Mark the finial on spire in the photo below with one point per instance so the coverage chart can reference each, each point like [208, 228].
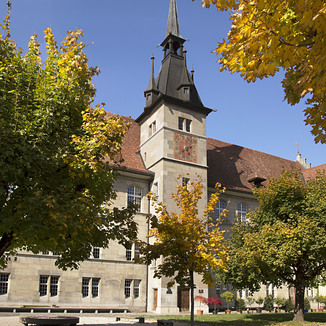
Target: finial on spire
[173, 21]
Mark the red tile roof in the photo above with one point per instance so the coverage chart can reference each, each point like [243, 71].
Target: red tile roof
[228, 164]
[312, 172]
[233, 165]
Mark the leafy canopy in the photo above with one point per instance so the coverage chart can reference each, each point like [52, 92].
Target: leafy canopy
[290, 35]
[56, 175]
[284, 240]
[187, 242]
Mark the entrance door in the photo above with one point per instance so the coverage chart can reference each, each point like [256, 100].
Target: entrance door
[155, 299]
[183, 299]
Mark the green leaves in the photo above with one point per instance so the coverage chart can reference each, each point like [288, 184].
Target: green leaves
[57, 153]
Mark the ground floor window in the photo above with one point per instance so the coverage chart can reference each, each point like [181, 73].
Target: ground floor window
[48, 285]
[4, 279]
[129, 284]
[90, 285]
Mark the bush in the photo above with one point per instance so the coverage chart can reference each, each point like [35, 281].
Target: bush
[306, 304]
[279, 302]
[288, 305]
[240, 305]
[228, 297]
[269, 303]
[259, 301]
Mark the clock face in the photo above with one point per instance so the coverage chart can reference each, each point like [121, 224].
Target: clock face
[185, 147]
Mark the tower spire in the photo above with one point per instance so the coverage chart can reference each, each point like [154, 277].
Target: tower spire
[173, 21]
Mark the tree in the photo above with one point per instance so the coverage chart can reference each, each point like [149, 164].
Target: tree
[284, 239]
[290, 35]
[57, 153]
[187, 241]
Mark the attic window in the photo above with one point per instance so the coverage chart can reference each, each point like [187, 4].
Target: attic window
[186, 90]
[148, 96]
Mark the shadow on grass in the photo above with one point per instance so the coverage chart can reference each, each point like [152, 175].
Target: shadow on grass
[254, 319]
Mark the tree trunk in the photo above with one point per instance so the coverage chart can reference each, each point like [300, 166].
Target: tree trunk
[192, 301]
[299, 301]
[5, 242]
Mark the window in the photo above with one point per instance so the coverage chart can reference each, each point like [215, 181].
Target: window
[136, 288]
[94, 283]
[132, 251]
[127, 288]
[221, 205]
[135, 196]
[185, 181]
[85, 287]
[136, 251]
[152, 128]
[43, 285]
[4, 278]
[48, 285]
[185, 90]
[54, 282]
[184, 124]
[181, 121]
[96, 252]
[218, 290]
[129, 253]
[95, 287]
[242, 211]
[188, 124]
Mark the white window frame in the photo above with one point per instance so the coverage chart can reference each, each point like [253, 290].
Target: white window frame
[4, 283]
[49, 285]
[242, 211]
[220, 207]
[127, 288]
[96, 252]
[90, 287]
[135, 195]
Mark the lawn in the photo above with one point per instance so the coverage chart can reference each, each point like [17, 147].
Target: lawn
[255, 319]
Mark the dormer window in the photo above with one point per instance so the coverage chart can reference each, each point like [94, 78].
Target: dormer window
[148, 96]
[186, 90]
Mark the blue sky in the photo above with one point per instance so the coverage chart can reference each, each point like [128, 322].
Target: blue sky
[121, 37]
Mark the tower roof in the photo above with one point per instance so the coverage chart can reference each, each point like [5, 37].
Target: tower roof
[173, 21]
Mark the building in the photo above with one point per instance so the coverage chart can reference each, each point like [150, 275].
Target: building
[166, 140]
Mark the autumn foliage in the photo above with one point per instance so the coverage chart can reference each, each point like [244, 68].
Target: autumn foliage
[56, 184]
[281, 35]
[186, 240]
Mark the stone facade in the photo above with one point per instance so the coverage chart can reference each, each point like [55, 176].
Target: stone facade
[167, 140]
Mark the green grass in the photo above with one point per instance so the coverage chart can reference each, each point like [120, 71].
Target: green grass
[245, 319]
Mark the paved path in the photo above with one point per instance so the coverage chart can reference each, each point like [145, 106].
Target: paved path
[13, 320]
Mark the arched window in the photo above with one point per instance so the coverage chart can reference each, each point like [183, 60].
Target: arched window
[242, 211]
[221, 205]
[135, 196]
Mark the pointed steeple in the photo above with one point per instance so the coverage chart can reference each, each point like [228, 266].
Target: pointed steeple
[174, 82]
[151, 92]
[173, 21]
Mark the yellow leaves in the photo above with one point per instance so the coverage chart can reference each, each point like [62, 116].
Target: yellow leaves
[268, 35]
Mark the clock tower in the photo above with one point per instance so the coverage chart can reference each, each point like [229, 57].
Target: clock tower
[173, 143]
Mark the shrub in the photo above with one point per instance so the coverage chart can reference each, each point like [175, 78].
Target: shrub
[288, 305]
[240, 305]
[306, 304]
[269, 303]
[228, 297]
